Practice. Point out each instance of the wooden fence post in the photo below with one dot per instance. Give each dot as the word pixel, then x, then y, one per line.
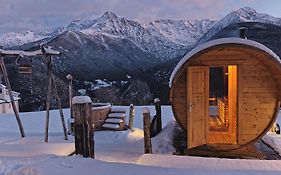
pixel 158 115
pixel 131 118
pixel 49 93
pixel 60 108
pixel 83 129
pixel 146 130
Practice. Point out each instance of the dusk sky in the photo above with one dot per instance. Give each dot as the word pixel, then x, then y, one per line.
pixel 22 15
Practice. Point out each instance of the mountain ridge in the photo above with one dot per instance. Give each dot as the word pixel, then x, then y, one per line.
pixel 112 48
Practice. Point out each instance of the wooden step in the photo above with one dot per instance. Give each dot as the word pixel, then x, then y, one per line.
pixel 117 115
pixel 111 126
pixel 118 110
pixel 114 120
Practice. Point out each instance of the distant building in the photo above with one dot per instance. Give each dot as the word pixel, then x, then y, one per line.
pixel 5 101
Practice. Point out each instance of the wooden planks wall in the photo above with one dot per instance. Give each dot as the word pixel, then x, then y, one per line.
pixel 179 100
pixel 257 100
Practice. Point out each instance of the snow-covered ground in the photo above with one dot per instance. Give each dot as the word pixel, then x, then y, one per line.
pixel 116 152
pixel 11 144
pixel 273 139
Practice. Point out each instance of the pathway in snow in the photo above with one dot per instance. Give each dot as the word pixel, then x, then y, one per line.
pixel 127 146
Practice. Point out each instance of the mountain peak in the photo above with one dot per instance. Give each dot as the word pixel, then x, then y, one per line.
pixel 75 25
pixel 109 15
pixel 246 11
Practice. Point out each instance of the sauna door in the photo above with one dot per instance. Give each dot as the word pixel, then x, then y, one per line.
pixel 197 106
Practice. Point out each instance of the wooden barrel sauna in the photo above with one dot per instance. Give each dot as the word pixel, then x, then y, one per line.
pixel 100 112
pixel 226 93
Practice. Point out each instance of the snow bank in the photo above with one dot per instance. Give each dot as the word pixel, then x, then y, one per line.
pixel 273 139
pixel 163 142
pixel 221 165
pixel 187 165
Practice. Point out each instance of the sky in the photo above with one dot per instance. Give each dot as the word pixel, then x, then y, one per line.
pixel 34 15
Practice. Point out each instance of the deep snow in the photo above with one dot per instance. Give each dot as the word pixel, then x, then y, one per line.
pixel 116 152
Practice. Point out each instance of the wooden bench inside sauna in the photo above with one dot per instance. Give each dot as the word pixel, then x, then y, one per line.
pixel 226 93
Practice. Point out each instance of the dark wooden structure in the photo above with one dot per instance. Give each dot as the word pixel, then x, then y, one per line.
pixel 83 126
pixel 232 107
pixel 47 54
pixel 100 113
pixel 131 117
pixel 146 130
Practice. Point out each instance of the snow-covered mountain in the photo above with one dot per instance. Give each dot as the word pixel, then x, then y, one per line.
pixel 184 32
pixel 112 47
pixel 245 14
pixel 12 39
pixel 165 39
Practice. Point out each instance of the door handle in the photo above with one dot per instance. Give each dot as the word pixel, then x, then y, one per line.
pixel 190 106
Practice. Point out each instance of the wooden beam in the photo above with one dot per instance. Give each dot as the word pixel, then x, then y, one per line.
pixel 5 74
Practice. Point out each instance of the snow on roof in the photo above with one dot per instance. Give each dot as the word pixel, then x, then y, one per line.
pixel 51 51
pixel 221 41
pixel 30 53
pixel 20 52
pixel 81 100
pixel 8 100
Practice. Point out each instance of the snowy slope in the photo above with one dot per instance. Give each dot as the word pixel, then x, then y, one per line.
pixel 11 39
pixel 184 32
pixel 245 14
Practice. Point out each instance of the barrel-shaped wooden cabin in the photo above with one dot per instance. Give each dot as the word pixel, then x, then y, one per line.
pixel 226 93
